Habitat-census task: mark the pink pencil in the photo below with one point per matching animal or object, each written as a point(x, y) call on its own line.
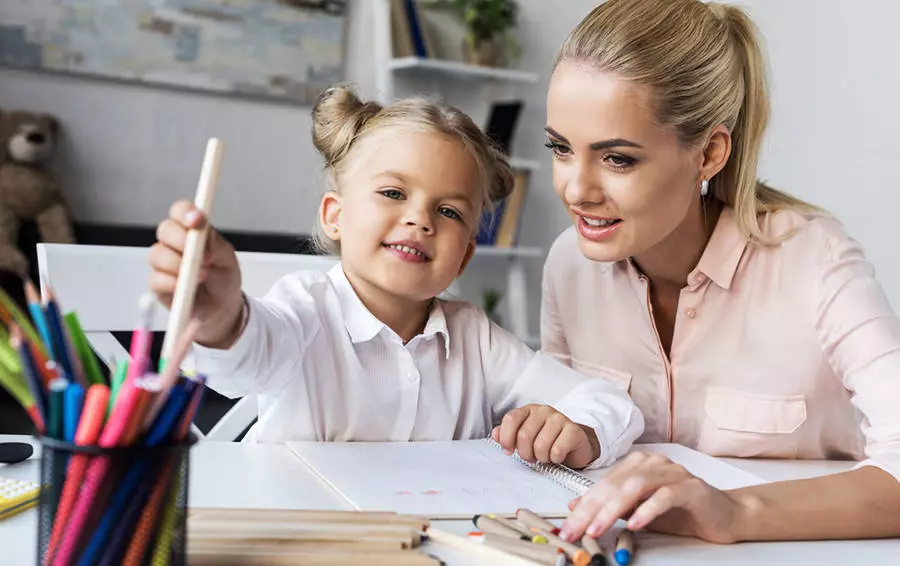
point(141, 339)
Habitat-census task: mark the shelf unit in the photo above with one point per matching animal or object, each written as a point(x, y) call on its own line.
point(459, 70)
point(478, 85)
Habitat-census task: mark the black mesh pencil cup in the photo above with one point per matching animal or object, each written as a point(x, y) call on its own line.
point(110, 506)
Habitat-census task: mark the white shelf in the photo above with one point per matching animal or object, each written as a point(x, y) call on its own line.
point(521, 251)
point(524, 164)
point(461, 70)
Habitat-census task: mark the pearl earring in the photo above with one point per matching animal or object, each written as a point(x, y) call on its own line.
point(704, 187)
point(334, 228)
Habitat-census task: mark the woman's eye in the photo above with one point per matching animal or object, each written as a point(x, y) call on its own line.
point(392, 194)
point(559, 150)
point(620, 161)
point(450, 213)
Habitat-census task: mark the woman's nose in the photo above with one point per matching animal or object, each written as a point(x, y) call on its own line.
point(582, 187)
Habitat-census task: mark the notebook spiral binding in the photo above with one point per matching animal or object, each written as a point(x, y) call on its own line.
point(562, 475)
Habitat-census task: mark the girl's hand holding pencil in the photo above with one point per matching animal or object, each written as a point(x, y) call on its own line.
point(218, 302)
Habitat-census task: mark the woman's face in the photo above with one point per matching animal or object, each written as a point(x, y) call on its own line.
point(627, 182)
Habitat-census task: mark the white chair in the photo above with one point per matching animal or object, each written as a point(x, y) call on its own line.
point(103, 284)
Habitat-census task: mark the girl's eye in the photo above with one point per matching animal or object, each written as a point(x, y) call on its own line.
point(559, 150)
point(450, 213)
point(392, 194)
point(620, 161)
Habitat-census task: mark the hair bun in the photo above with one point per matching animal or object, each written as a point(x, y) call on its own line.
point(338, 117)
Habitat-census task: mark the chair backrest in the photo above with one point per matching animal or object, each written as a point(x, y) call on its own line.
point(103, 284)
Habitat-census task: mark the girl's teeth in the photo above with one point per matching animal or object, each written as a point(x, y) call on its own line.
point(597, 222)
point(407, 249)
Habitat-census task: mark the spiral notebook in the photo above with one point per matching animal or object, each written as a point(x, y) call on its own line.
point(458, 479)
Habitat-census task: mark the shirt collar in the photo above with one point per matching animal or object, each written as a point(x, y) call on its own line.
point(723, 253)
point(362, 325)
point(720, 259)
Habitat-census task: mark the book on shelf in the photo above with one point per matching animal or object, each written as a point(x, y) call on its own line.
point(410, 36)
point(501, 226)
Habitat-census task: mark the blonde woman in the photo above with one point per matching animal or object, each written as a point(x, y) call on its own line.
point(742, 321)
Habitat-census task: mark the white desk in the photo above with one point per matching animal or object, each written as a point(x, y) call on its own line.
point(269, 476)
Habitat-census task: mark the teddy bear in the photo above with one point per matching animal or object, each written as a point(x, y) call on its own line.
point(28, 190)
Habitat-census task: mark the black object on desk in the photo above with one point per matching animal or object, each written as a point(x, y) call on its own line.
point(14, 452)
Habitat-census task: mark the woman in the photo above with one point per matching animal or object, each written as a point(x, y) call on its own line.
point(743, 321)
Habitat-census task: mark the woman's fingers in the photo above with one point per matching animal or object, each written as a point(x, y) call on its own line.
point(620, 492)
point(663, 500)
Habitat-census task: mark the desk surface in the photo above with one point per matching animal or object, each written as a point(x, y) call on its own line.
point(255, 475)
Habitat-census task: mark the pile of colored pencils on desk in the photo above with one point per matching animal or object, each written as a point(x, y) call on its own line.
point(101, 504)
point(312, 538)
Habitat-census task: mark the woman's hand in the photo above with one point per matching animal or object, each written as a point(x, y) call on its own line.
point(540, 432)
point(649, 490)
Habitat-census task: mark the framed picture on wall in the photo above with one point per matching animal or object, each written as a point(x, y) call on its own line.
point(280, 49)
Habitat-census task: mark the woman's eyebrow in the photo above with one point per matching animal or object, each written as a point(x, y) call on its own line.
point(605, 144)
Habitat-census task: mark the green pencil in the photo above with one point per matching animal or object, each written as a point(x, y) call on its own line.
point(83, 349)
point(118, 379)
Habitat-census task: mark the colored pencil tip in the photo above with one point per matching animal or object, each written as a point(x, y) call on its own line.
point(47, 292)
point(598, 560)
point(31, 293)
point(623, 557)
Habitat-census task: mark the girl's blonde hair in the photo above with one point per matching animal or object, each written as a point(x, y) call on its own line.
point(341, 120)
point(705, 65)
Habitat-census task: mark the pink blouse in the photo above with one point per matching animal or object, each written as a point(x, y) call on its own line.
point(785, 352)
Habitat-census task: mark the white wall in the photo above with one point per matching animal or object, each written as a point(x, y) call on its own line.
point(835, 138)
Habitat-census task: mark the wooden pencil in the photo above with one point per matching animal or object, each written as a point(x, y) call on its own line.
point(242, 516)
point(289, 546)
point(309, 532)
point(314, 559)
point(481, 553)
point(194, 247)
point(538, 552)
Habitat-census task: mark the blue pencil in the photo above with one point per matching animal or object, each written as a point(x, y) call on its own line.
point(29, 369)
point(73, 401)
point(39, 317)
point(58, 332)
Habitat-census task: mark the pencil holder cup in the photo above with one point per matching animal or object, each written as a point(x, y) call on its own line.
point(108, 506)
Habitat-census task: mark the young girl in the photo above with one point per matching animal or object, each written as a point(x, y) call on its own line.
point(367, 352)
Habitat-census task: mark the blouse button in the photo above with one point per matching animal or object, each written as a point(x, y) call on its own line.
point(690, 313)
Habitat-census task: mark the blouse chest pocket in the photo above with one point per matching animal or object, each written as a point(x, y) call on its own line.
point(744, 424)
point(614, 376)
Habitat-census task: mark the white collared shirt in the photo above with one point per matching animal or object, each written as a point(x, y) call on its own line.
point(324, 368)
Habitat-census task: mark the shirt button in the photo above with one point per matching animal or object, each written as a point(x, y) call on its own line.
point(690, 313)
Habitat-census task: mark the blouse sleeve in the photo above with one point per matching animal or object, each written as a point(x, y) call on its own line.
point(860, 336)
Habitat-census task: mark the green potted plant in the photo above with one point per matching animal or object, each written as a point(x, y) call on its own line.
point(489, 24)
point(491, 302)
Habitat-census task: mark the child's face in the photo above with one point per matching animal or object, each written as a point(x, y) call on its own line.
point(409, 208)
